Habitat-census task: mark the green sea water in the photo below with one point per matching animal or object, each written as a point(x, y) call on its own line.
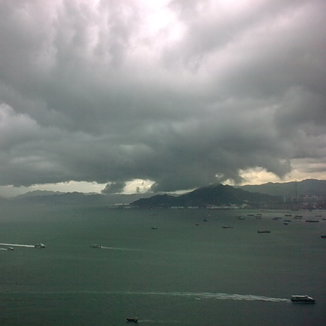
point(167, 267)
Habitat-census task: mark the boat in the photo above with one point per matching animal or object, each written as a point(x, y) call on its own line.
point(263, 231)
point(39, 245)
point(302, 299)
point(96, 245)
point(132, 320)
point(312, 221)
point(323, 236)
point(227, 227)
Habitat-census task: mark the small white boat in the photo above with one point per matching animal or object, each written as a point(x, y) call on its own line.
point(97, 246)
point(302, 299)
point(39, 245)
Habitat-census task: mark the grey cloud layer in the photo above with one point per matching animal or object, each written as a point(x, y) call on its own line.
point(90, 93)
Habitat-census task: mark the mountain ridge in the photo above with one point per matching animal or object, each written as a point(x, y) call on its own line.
point(215, 195)
point(307, 187)
point(211, 195)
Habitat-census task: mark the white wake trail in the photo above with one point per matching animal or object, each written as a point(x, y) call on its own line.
point(17, 245)
point(195, 295)
point(216, 296)
point(121, 249)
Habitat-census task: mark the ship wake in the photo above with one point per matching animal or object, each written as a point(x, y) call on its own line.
point(17, 245)
point(194, 295)
point(216, 296)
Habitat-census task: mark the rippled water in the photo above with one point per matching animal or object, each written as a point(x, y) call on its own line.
point(163, 266)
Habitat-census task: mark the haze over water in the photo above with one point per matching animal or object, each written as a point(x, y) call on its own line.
point(160, 266)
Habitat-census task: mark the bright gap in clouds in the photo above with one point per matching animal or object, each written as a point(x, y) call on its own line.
point(139, 186)
point(252, 176)
point(232, 4)
point(159, 18)
point(132, 187)
point(259, 175)
point(71, 186)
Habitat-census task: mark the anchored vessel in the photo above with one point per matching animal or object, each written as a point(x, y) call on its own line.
point(302, 299)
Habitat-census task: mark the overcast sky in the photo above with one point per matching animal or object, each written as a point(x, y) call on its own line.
point(175, 94)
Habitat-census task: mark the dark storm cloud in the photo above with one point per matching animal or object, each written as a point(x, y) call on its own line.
point(98, 92)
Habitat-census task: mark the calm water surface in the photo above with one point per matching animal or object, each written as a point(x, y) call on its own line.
point(178, 273)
